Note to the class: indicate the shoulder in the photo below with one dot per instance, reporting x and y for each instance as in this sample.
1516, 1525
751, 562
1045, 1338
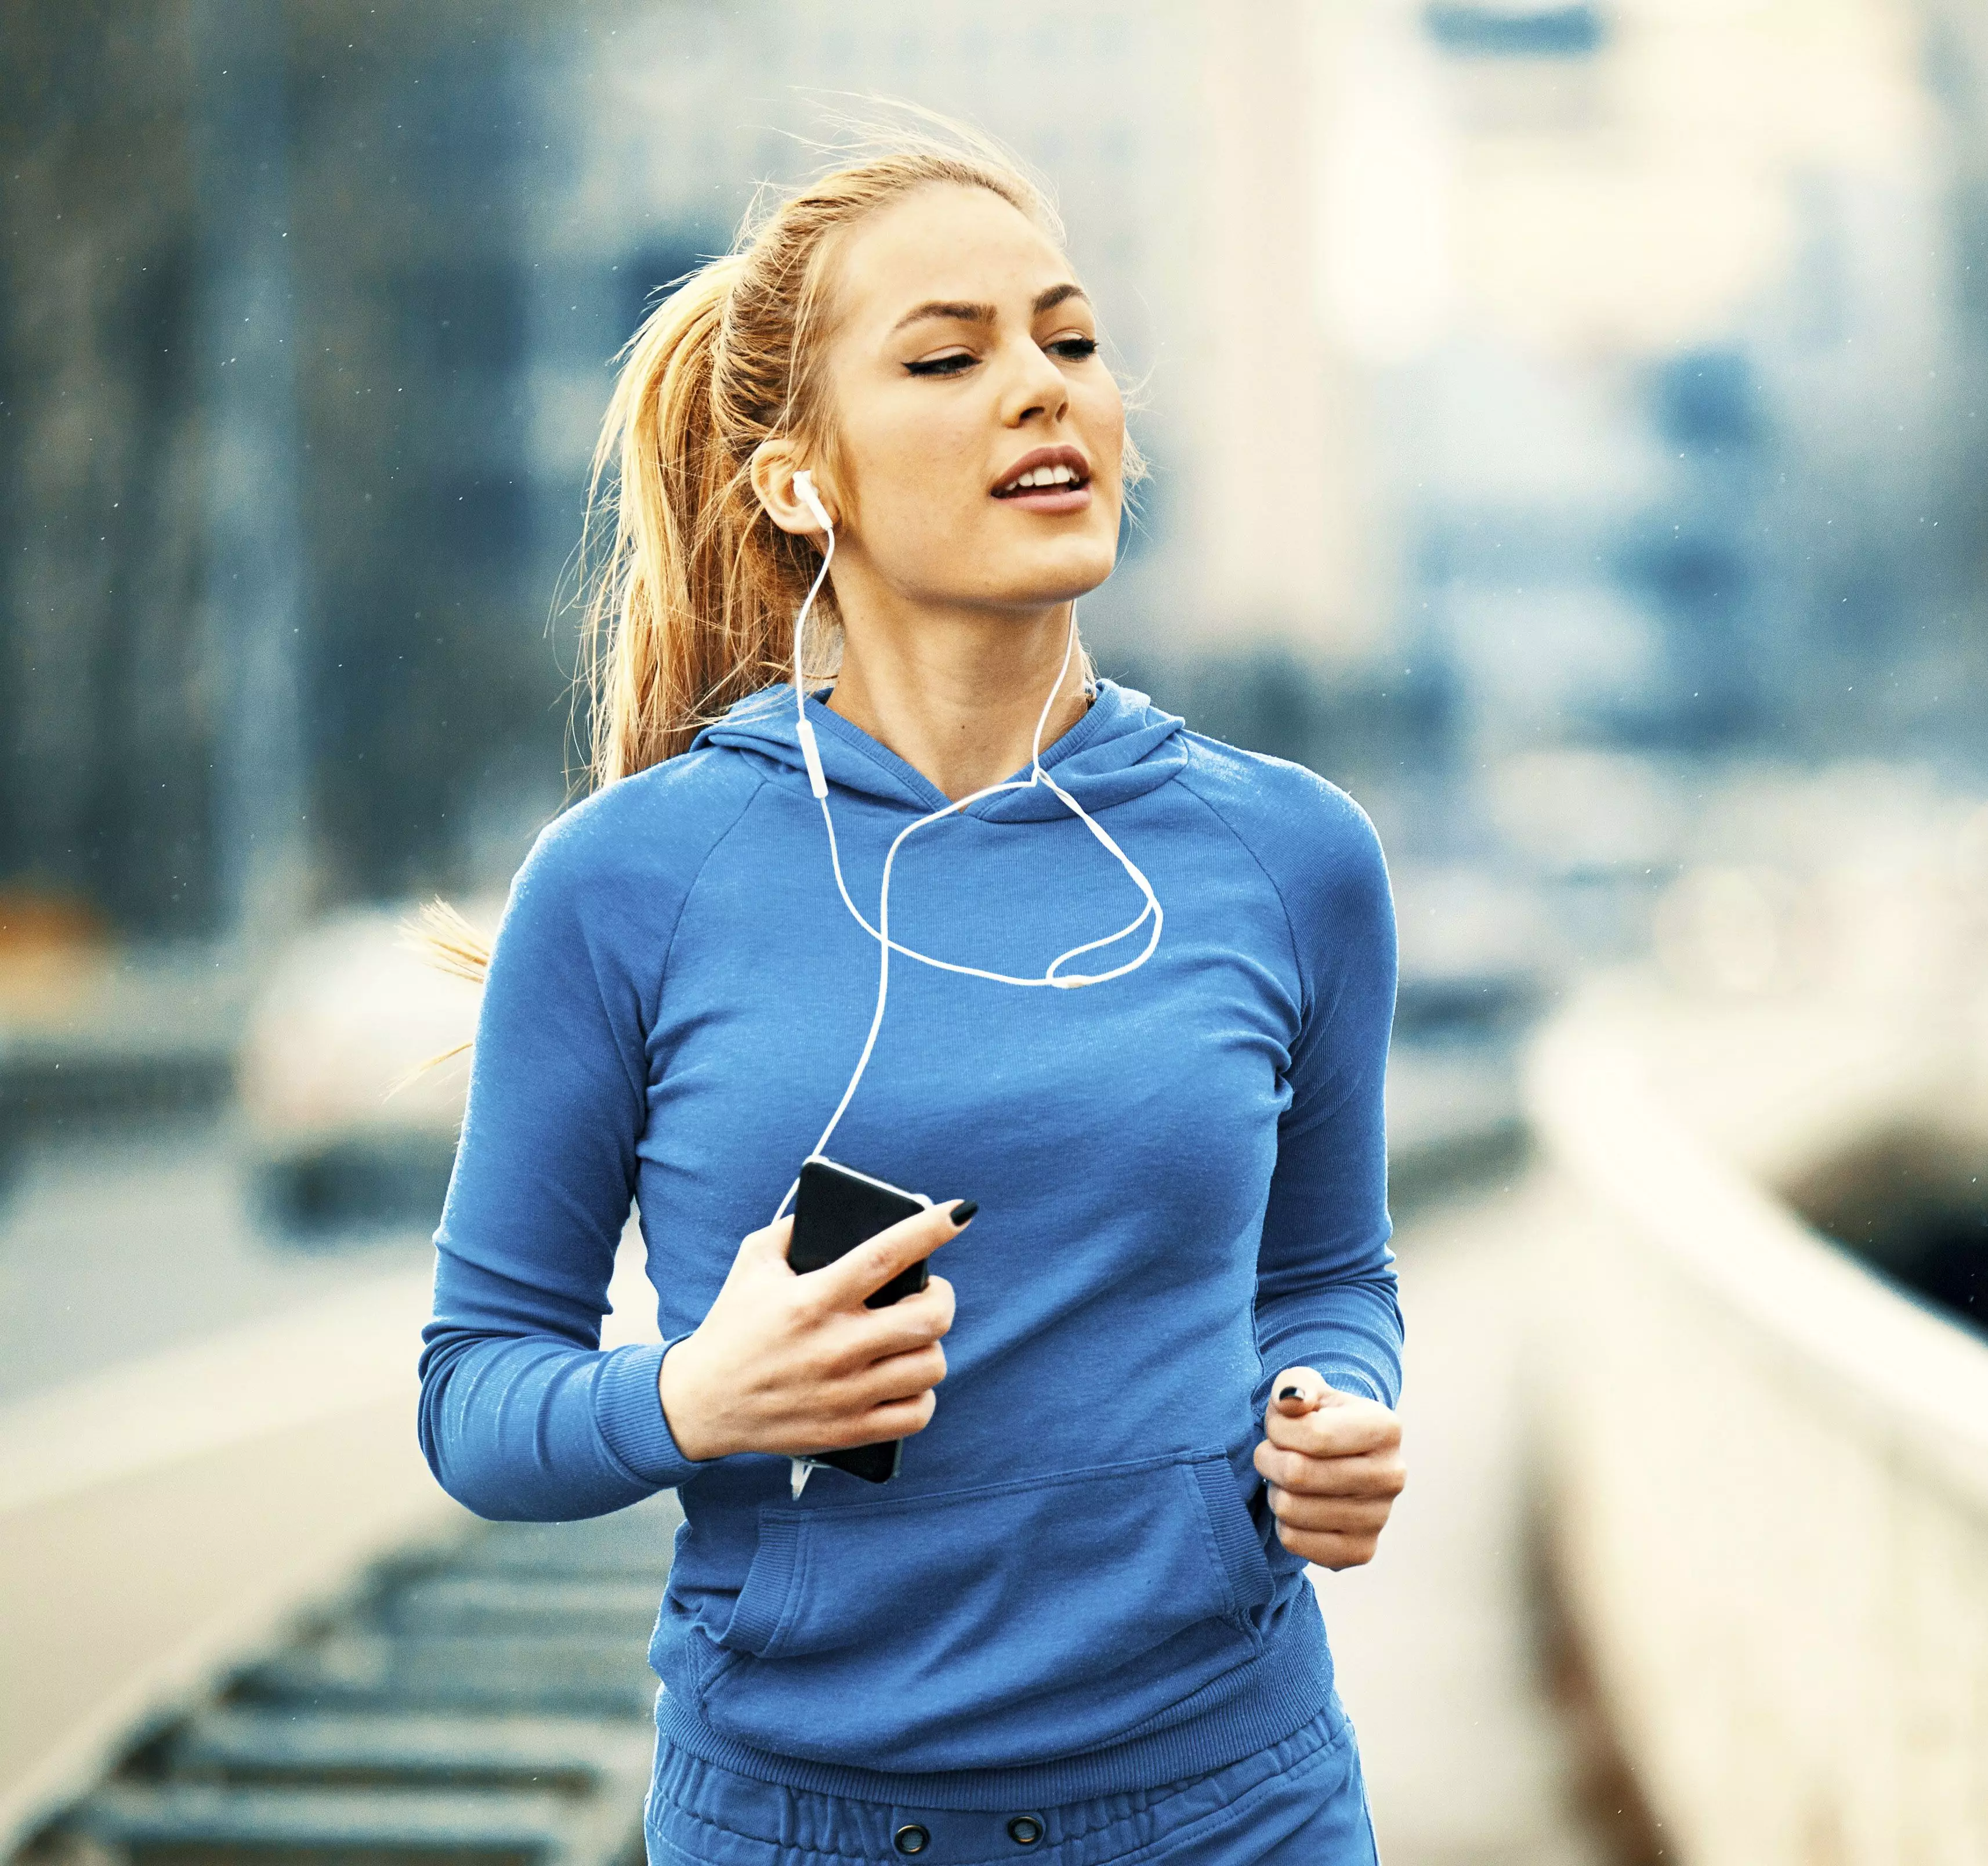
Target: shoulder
638, 844
1315, 845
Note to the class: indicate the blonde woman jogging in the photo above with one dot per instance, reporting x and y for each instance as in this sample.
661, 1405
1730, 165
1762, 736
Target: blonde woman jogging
1121, 1007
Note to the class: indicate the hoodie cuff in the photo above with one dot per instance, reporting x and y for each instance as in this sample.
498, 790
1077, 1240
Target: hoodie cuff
628, 1412
1347, 1377
1351, 1377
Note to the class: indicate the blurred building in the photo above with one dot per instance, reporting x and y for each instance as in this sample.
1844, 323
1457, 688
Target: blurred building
1582, 377
1719, 267
269, 628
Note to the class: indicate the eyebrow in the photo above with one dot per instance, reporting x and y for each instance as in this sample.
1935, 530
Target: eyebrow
961, 312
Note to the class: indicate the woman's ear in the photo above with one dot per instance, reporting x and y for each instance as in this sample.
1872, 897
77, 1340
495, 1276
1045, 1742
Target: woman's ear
774, 465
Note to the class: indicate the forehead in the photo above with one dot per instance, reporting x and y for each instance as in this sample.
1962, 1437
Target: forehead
942, 242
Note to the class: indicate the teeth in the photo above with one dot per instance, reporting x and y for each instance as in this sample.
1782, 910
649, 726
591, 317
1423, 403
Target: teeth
1044, 475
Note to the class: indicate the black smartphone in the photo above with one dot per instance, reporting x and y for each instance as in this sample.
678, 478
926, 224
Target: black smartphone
836, 1209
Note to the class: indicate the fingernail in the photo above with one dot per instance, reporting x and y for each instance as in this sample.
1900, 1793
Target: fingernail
1292, 1393
965, 1210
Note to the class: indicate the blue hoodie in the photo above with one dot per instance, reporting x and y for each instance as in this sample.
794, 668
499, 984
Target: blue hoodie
1076, 1581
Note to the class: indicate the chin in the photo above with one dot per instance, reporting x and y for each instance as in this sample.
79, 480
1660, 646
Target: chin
1060, 576
1029, 596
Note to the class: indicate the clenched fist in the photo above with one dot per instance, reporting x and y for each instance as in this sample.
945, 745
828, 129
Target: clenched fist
1333, 1463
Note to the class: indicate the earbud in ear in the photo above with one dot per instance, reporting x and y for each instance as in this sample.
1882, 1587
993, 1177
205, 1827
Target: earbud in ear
804, 485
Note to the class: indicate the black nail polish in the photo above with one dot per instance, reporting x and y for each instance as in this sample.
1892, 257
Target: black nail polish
1292, 1393
965, 1210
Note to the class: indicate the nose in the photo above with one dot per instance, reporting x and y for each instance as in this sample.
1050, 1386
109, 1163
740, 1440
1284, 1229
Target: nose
1033, 388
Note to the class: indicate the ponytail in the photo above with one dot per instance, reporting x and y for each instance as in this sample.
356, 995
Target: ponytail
681, 620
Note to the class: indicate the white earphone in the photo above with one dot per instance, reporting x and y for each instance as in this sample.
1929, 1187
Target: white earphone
881, 933
804, 485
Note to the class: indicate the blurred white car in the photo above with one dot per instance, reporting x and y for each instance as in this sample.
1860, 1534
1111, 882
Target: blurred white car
352, 1121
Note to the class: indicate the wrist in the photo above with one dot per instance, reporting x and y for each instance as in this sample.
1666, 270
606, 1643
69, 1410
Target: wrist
681, 1389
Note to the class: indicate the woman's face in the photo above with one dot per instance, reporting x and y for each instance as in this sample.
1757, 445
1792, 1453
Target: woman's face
965, 358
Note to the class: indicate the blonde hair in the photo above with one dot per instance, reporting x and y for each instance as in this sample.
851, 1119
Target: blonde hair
692, 606
692, 588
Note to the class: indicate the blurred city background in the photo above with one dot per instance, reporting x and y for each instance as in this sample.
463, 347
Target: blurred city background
1568, 433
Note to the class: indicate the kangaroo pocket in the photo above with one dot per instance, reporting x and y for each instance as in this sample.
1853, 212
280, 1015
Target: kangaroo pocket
979, 1628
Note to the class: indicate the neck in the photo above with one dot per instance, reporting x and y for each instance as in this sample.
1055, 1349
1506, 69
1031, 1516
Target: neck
956, 695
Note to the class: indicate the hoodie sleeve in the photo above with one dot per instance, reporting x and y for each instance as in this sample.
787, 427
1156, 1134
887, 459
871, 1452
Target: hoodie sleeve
522, 1415
1326, 1286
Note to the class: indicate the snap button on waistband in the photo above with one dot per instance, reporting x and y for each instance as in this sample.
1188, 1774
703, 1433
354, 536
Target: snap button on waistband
1025, 1829
912, 1838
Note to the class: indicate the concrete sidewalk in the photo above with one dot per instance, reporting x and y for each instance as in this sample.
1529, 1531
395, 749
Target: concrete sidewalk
1467, 1764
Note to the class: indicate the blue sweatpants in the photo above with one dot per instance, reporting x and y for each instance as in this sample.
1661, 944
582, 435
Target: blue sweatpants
1299, 1803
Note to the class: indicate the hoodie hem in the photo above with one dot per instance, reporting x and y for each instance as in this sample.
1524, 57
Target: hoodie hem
1261, 1703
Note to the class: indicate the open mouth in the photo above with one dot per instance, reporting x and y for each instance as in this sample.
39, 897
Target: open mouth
1054, 478
1043, 479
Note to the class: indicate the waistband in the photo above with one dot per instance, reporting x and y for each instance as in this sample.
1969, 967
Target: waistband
1257, 1706
719, 1815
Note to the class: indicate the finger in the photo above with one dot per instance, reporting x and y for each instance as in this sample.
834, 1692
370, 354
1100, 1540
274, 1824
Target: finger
768, 1243
926, 1314
1344, 1516
1336, 1431
915, 1322
1379, 1474
903, 1377
847, 1340
902, 1418
898, 1419
865, 1270
1326, 1549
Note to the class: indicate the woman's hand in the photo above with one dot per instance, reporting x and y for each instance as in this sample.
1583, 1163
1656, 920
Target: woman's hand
1334, 1461
793, 1364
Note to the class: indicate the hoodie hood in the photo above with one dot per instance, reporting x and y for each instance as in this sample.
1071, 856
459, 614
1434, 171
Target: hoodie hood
1121, 748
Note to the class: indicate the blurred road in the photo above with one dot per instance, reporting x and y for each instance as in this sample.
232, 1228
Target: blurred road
117, 1241
1467, 1763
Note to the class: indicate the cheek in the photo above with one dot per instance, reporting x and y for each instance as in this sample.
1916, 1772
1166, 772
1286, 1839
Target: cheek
1101, 417
911, 470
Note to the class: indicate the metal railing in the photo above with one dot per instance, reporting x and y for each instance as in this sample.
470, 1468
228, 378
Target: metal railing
486, 1701
1767, 1467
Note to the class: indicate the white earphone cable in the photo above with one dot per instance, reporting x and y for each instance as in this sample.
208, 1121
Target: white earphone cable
881, 933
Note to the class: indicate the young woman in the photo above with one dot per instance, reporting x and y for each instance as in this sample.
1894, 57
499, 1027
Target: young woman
1076, 1626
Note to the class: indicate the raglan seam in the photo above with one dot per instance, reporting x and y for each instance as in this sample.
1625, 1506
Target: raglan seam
637, 1081
689, 888
1331, 1011
1283, 906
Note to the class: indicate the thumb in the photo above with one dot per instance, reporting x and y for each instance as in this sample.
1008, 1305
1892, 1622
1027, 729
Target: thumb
1299, 1390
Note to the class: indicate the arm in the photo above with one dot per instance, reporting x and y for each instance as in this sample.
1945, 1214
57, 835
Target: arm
1328, 1322
522, 1416
1325, 1279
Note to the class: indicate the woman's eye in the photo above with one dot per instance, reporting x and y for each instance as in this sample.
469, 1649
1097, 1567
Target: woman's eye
941, 366
1074, 349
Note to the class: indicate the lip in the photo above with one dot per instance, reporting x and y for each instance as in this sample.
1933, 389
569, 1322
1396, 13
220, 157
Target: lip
1072, 498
